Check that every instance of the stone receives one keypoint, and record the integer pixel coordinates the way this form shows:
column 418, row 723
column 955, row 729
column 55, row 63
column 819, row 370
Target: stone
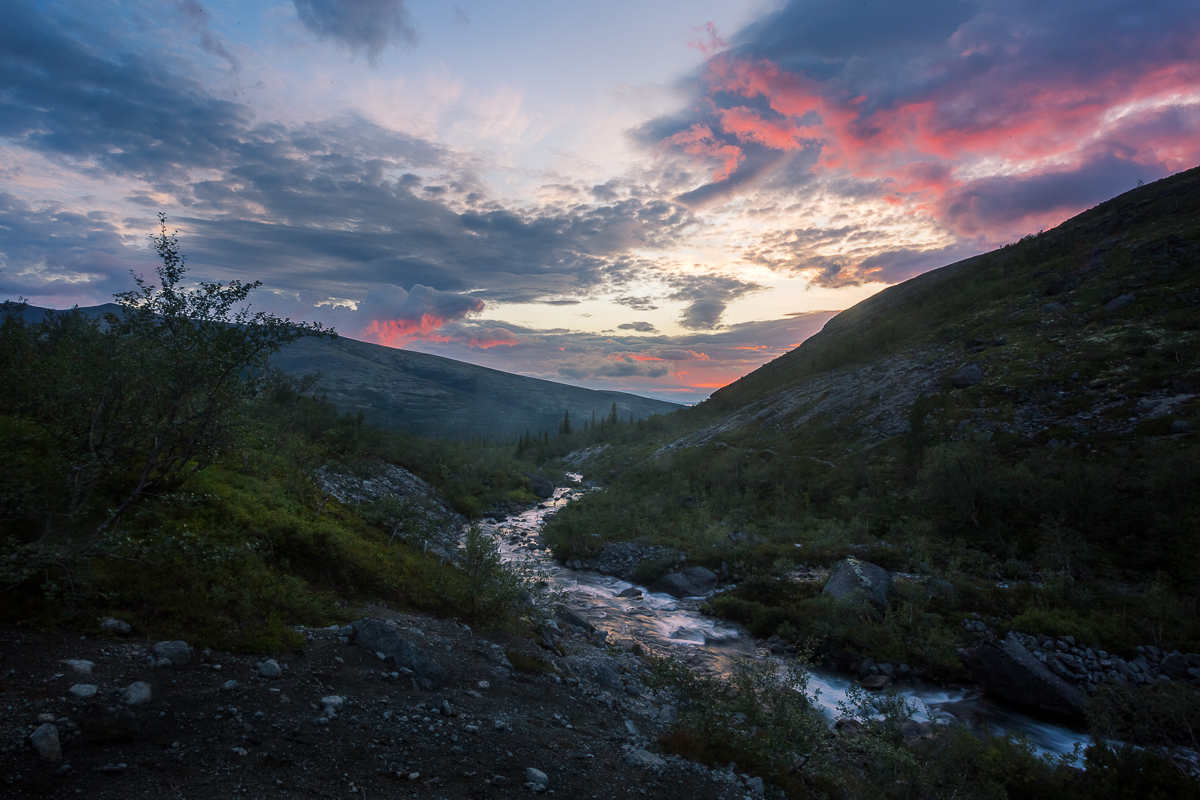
column 542, row 487
column 966, row 376
column 537, row 778
column 632, row 591
column 641, row 758
column 1181, row 426
column 632, row 728
column 116, row 626
column 875, row 683
column 45, row 741
column 136, row 694
column 677, row 586
column 84, row 691
column 178, row 652
column 755, row 787
column 668, row 715
column 1174, row 666
column 378, row 637
column 333, row 701
column 1007, row 669
column 269, row 669
column 702, row 578
column 80, row 666
column 229, row 685
column 1119, row 302
column 573, row 618
column 859, row 583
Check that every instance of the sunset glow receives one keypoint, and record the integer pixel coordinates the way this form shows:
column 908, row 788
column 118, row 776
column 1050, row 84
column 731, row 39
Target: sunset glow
column 659, row 202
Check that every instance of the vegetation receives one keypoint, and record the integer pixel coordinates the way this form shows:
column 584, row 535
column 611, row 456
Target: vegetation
column 157, row 470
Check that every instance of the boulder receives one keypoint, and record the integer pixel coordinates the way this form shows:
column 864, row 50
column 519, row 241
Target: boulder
column 542, row 487
column 860, row 583
column 1119, row 302
column 178, row 653
column 536, row 780
column 702, row 578
column 966, row 376
column 270, row 669
column 632, row 591
column 1175, row 667
column 572, row 618
column 84, row 691
column 45, row 741
column 874, row 683
column 116, row 626
column 379, row 637
column 1006, row 669
column 136, row 694
column 676, row 585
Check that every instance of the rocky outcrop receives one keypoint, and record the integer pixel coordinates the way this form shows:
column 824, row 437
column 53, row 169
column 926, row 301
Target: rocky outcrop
column 541, row 486
column 859, row 583
column 382, row 639
column 622, row 558
column 1007, row 669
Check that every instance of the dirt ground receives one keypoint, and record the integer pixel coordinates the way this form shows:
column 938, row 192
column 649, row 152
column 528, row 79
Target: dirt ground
column 266, row 737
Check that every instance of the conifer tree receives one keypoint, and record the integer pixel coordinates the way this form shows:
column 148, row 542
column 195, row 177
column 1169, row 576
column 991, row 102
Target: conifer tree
column 612, row 415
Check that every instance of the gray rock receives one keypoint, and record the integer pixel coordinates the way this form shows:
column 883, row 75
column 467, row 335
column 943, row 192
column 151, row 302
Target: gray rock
column 542, row 486
column 229, row 685
column 1008, row 670
column 755, row 787
column 113, row 625
column 702, row 578
column 1175, row 667
column 1119, row 302
column 1181, row 426
column 875, row 683
column 178, row 652
column 676, row 585
column 632, row 591
column 668, row 715
column 84, row 691
column 80, row 666
column 269, row 669
column 966, row 376
column 632, row 728
column 136, row 694
column 641, row 758
column 537, row 779
column 333, row 701
column 572, row 618
column 860, row 583
column 45, row 741
column 378, row 637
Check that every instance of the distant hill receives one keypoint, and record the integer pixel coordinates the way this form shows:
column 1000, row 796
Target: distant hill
column 438, row 397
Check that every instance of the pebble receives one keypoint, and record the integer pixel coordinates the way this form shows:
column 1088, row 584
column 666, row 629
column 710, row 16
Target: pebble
column 45, row 741
column 79, row 665
column 84, row 690
column 227, row 685
column 333, row 701
column 136, row 694
column 269, row 669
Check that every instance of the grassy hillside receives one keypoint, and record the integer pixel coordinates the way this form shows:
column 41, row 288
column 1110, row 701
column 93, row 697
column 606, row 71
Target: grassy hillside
column 1022, row 425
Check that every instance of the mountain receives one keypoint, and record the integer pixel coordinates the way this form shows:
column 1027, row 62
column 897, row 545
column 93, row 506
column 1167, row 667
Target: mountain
column 434, row 396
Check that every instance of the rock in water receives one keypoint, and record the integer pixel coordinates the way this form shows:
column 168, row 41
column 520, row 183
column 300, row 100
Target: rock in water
column 858, row 582
column 676, row 585
column 1010, row 671
column 874, row 683
column 702, row 578
column 45, row 741
column 178, row 652
column 572, row 618
column 542, row 487
column 632, row 591
column 136, row 694
column 378, row 637
column 966, row 376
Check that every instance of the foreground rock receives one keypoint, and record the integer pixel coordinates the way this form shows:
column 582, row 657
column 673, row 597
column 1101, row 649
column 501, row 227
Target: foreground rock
column 677, row 585
column 1006, row 669
column 859, row 583
column 542, row 487
column 45, row 741
column 382, row 639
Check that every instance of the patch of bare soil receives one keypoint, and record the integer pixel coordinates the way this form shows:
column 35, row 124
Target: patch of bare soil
column 584, row 720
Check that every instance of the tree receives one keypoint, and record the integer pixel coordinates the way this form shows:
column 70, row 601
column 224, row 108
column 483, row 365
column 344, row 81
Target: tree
column 564, row 428
column 129, row 405
column 612, row 415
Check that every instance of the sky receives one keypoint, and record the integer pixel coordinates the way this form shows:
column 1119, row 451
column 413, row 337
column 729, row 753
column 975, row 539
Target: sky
column 655, row 197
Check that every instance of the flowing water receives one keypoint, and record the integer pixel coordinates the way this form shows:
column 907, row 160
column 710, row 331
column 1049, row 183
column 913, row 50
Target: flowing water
column 664, row 625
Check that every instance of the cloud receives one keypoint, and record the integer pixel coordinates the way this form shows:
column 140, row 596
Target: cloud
column 640, row 327
column 359, row 25
column 210, row 42
column 398, row 317
column 985, row 117
column 707, row 297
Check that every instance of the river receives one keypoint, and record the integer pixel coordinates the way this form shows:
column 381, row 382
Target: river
column 663, row 625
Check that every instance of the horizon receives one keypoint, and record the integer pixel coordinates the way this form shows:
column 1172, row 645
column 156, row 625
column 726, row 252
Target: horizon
column 656, row 201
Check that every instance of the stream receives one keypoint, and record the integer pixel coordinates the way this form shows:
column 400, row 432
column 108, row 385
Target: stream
column 663, row 625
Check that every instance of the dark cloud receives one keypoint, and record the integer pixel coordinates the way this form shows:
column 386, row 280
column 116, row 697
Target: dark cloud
column 210, row 42
column 359, row 25
column 637, row 303
column 707, row 297
column 641, row 327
